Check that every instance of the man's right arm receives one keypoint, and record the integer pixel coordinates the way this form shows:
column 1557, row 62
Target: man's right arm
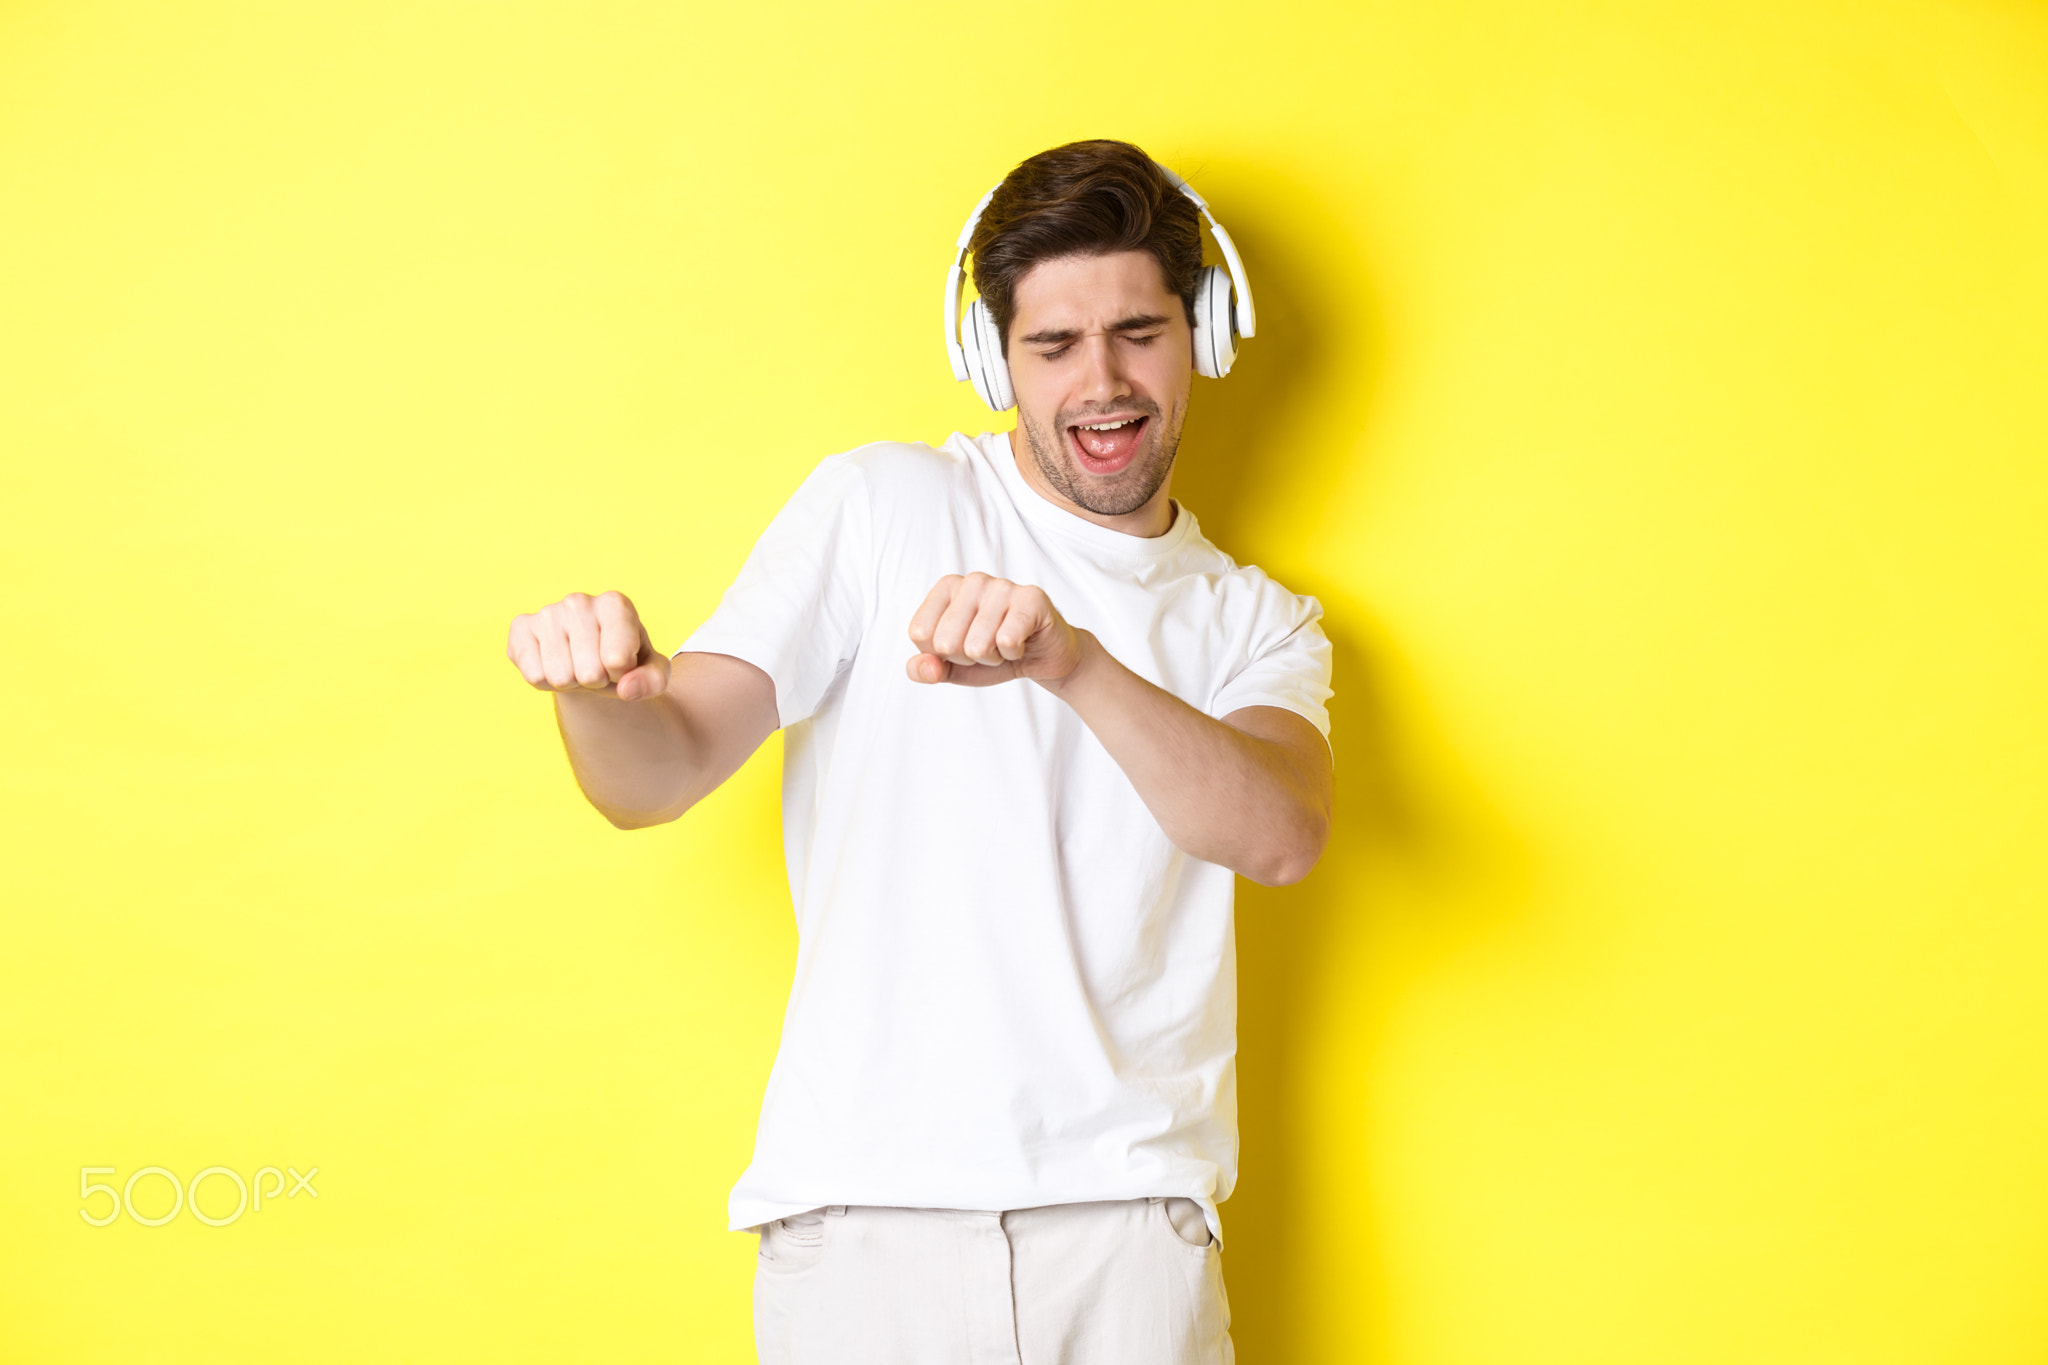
column 647, row 737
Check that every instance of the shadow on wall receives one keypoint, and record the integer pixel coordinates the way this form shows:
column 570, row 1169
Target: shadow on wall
column 1298, row 947
column 1238, row 453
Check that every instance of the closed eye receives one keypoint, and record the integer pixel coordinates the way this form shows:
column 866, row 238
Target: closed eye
column 1141, row 339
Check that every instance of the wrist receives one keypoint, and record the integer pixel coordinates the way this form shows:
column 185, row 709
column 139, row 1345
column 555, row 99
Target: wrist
column 1088, row 661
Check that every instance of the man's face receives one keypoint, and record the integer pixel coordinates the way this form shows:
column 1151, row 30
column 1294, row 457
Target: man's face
column 1102, row 359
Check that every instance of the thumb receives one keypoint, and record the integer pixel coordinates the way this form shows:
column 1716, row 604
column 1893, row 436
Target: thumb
column 646, row 679
column 928, row 668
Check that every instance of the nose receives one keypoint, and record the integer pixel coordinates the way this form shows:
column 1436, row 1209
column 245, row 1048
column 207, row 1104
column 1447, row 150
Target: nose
column 1103, row 378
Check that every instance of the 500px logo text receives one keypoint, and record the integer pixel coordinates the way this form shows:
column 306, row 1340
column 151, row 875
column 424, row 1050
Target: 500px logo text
column 186, row 1194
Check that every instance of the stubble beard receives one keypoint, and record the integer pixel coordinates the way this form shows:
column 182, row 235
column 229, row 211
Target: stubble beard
column 1129, row 488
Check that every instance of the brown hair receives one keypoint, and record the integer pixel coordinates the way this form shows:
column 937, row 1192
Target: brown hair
column 1084, row 199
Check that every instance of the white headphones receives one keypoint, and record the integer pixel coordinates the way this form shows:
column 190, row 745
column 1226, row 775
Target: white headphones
column 977, row 349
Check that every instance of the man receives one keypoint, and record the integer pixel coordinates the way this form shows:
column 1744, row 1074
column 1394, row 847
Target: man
column 1034, row 722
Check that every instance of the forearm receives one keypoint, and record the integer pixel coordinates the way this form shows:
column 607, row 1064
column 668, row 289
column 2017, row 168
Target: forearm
column 631, row 758
column 1221, row 794
column 645, row 762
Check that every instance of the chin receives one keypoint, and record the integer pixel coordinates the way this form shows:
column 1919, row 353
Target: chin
column 1117, row 494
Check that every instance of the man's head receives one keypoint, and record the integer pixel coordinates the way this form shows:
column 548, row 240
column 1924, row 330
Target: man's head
column 1088, row 260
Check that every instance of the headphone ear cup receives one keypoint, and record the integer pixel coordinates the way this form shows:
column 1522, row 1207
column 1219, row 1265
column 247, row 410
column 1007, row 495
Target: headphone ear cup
column 970, row 348
column 983, row 346
column 1215, row 324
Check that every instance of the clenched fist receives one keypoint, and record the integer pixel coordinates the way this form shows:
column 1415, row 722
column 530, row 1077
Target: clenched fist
column 977, row 630
column 588, row 644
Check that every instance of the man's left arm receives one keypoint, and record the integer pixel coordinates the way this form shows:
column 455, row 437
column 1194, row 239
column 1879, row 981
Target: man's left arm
column 1252, row 791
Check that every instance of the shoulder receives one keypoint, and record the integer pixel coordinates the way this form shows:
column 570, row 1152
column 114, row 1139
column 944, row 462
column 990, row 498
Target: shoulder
column 905, row 465
column 904, row 484
column 1245, row 594
column 1267, row 613
column 883, row 474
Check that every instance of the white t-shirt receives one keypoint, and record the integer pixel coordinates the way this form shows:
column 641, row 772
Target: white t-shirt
column 1011, row 990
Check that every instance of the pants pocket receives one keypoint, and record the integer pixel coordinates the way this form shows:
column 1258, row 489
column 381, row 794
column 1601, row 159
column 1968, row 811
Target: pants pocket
column 1188, row 1221
column 795, row 1242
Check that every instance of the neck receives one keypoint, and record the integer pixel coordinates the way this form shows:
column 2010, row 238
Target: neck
column 1153, row 519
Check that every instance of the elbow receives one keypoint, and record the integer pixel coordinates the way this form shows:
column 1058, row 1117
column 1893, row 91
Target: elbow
column 1294, row 857
column 635, row 819
column 1284, row 871
column 645, row 812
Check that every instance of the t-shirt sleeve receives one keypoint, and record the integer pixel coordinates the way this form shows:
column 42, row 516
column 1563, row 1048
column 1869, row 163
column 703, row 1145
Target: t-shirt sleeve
column 800, row 603
column 1288, row 662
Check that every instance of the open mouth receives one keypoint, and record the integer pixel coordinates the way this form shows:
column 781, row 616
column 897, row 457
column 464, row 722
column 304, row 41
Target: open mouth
column 1106, row 447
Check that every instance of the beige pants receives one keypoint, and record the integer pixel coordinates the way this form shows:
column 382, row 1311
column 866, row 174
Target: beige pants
column 1136, row 1282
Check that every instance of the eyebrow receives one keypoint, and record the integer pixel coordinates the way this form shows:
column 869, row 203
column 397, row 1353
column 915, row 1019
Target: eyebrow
column 1136, row 323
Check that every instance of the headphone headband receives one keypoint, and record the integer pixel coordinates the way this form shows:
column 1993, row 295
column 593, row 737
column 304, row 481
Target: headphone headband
column 956, row 277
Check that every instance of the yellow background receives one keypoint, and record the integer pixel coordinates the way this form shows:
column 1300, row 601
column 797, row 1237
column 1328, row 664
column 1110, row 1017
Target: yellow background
column 1653, row 393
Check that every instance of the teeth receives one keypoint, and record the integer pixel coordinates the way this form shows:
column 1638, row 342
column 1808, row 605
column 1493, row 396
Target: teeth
column 1110, row 426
